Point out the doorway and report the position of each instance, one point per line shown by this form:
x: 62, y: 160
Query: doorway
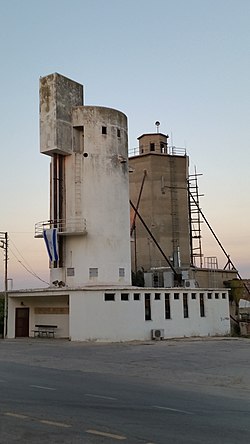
x: 22, y: 322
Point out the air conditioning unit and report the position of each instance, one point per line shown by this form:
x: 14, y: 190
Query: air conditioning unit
x: 190, y: 283
x: 157, y: 334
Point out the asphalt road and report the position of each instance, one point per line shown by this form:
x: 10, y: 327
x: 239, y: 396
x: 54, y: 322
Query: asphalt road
x: 50, y: 394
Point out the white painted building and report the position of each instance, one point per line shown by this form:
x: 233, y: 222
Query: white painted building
x: 90, y: 296
x: 122, y: 314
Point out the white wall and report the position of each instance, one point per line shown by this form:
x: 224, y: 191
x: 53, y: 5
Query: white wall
x: 33, y: 302
x: 97, y: 189
x: 92, y: 318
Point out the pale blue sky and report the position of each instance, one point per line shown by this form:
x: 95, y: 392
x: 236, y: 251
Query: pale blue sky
x: 185, y: 63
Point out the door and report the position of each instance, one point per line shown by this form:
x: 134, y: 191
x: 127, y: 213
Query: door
x: 22, y: 322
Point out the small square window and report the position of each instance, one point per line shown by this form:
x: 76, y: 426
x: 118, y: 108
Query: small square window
x: 93, y: 272
x: 224, y: 296
x: 124, y: 296
x: 176, y: 295
x: 193, y: 295
x: 70, y: 272
x: 109, y: 297
x: 157, y: 296
x: 118, y: 132
x: 136, y: 296
x: 216, y: 295
x: 209, y: 295
x: 104, y: 130
x: 121, y: 272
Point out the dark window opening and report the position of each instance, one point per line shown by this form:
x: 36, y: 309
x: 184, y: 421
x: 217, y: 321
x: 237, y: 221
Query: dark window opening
x: 193, y: 295
x: 209, y: 295
x: 202, y: 306
x: 118, y: 132
x: 147, y: 304
x: 224, y: 295
x: 109, y: 296
x: 152, y: 146
x: 104, y: 130
x: 167, y: 306
x: 176, y: 296
x: 124, y: 296
x: 136, y: 296
x: 185, y: 305
x: 157, y: 296
x: 216, y: 295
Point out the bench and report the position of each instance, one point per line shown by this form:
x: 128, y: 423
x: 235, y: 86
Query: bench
x: 44, y: 331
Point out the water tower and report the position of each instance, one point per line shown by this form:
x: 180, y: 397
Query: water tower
x: 89, y: 186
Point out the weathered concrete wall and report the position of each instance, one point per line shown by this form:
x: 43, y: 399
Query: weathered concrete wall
x: 156, y: 207
x: 97, y: 189
x: 58, y: 95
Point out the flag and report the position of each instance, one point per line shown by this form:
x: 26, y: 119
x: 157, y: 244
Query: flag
x: 50, y: 238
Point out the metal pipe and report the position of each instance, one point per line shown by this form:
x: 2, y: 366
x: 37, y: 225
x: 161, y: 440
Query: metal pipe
x: 155, y: 241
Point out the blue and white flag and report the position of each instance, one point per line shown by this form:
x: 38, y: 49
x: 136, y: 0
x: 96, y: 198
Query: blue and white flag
x: 50, y: 237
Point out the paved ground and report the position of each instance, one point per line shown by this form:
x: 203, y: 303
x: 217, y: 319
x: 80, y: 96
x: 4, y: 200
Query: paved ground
x: 165, y: 392
x: 211, y: 364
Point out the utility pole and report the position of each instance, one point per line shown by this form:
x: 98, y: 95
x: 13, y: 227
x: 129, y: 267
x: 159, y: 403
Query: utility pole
x: 4, y: 245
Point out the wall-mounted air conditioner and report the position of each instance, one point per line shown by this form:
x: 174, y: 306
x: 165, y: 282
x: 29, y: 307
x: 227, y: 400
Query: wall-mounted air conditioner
x: 157, y: 333
x: 190, y: 283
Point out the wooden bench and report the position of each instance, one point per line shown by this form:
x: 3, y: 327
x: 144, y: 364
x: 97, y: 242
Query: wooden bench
x: 44, y: 331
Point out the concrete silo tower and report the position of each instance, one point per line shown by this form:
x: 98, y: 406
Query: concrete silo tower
x: 89, y: 188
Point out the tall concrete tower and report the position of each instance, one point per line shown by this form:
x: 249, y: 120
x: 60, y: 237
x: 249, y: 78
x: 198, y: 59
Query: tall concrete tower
x: 89, y: 186
x: 159, y: 177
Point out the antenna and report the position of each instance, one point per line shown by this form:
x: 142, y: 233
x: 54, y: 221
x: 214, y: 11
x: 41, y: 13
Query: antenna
x: 157, y: 124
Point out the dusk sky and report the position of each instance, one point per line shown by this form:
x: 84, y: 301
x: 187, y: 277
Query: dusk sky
x: 185, y: 63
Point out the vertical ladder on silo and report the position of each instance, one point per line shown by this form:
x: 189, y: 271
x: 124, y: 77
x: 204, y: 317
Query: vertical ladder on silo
x: 195, y: 220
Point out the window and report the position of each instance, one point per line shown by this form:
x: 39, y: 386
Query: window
x: 152, y: 146
x: 157, y: 296
x: 167, y: 306
x: 136, y: 296
x: 202, y: 307
x: 118, y: 132
x: 93, y: 272
x: 176, y: 296
x: 193, y: 295
x: 109, y: 297
x: 70, y: 272
x: 147, y: 305
x: 216, y: 295
x: 121, y: 272
x: 185, y: 305
x: 162, y: 146
x: 224, y: 296
x: 209, y: 295
x: 104, y: 130
x: 124, y: 296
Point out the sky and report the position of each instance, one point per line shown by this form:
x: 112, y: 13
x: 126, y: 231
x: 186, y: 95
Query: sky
x: 185, y: 63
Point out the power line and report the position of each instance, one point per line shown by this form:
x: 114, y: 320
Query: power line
x: 27, y: 267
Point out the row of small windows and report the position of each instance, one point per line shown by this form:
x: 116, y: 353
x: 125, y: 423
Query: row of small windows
x: 157, y: 296
x: 105, y: 131
x: 167, y: 301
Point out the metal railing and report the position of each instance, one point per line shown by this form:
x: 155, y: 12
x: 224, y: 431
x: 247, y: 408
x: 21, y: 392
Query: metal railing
x: 171, y: 150
x: 74, y: 226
